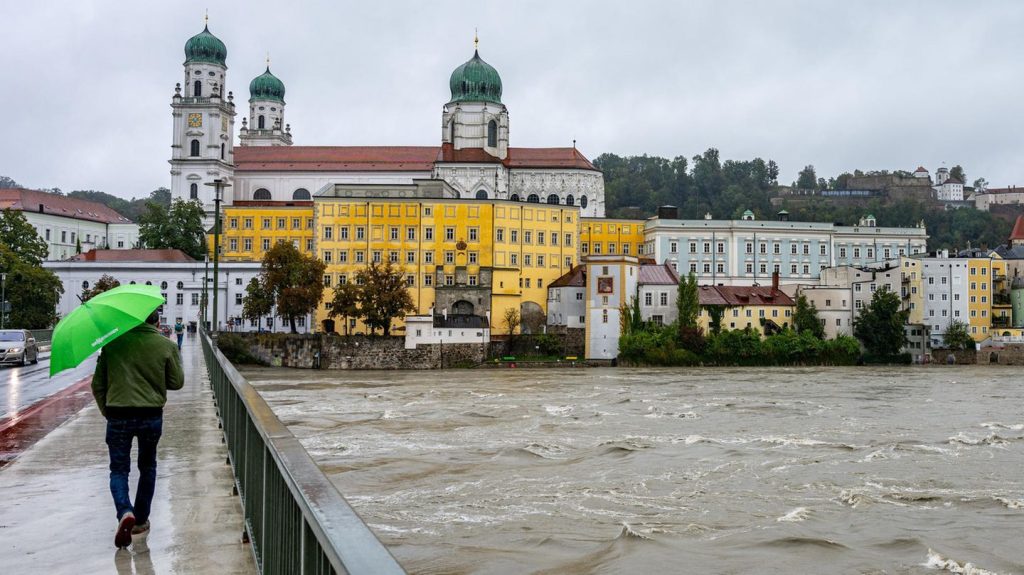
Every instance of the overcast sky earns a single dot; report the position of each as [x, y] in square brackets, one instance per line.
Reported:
[838, 84]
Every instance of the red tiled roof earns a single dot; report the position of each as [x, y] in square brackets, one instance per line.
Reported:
[395, 158]
[656, 274]
[743, 295]
[56, 205]
[920, 169]
[141, 256]
[952, 180]
[1018, 229]
[576, 277]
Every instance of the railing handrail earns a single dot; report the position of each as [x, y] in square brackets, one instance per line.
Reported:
[346, 540]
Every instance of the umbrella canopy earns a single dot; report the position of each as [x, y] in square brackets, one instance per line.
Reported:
[99, 321]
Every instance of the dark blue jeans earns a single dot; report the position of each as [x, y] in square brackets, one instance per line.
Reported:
[120, 433]
[180, 335]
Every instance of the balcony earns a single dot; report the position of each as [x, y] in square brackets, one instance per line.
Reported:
[1001, 299]
[1001, 322]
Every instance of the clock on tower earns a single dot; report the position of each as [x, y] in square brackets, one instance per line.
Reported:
[195, 120]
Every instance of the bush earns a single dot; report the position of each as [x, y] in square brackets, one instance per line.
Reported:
[549, 345]
[236, 349]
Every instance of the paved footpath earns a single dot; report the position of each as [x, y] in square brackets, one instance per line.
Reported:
[57, 516]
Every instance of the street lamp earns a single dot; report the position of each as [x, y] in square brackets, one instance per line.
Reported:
[218, 193]
[3, 300]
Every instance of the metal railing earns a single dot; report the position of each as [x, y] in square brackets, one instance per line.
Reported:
[42, 335]
[296, 520]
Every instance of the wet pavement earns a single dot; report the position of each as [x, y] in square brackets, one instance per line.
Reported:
[57, 516]
[23, 386]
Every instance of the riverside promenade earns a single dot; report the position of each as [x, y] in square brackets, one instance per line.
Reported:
[57, 516]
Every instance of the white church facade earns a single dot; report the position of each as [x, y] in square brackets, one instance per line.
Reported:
[473, 155]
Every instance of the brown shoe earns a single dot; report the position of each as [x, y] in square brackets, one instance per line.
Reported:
[123, 537]
[141, 528]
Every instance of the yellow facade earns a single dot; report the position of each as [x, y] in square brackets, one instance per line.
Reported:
[610, 236]
[742, 317]
[987, 303]
[912, 289]
[525, 247]
[247, 232]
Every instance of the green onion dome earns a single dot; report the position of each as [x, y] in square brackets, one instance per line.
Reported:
[475, 81]
[205, 47]
[266, 86]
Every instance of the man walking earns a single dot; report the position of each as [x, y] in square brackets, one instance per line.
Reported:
[130, 385]
[179, 330]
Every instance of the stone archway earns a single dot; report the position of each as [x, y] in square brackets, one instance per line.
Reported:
[462, 307]
[532, 317]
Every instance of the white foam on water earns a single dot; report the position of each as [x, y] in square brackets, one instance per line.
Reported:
[964, 439]
[1011, 503]
[558, 410]
[798, 514]
[998, 425]
[937, 561]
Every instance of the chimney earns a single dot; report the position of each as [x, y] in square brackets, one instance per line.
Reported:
[668, 213]
[775, 281]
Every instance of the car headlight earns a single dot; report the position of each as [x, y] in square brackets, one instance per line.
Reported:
[14, 350]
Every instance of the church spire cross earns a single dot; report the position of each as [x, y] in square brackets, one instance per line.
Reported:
[206, 17]
[476, 39]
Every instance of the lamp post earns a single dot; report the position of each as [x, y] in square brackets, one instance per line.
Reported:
[218, 192]
[205, 304]
[3, 300]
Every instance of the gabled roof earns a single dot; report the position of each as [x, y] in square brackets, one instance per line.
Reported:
[133, 256]
[952, 180]
[1018, 229]
[658, 274]
[56, 205]
[743, 295]
[1011, 190]
[576, 277]
[395, 158]
[920, 169]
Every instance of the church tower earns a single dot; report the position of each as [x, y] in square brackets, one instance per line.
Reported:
[265, 126]
[475, 118]
[204, 122]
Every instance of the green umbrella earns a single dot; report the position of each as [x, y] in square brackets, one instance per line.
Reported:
[99, 321]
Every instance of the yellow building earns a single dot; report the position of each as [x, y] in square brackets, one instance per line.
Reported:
[611, 236]
[988, 300]
[912, 289]
[249, 229]
[754, 307]
[459, 255]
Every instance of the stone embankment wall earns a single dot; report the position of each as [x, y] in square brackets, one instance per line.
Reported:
[359, 352]
[964, 357]
[1011, 354]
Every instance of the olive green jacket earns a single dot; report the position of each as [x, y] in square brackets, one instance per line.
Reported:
[136, 370]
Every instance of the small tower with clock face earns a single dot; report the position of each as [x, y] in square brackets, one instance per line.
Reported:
[204, 121]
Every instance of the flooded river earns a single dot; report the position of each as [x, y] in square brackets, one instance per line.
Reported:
[841, 470]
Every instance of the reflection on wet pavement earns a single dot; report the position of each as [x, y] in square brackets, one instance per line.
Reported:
[56, 514]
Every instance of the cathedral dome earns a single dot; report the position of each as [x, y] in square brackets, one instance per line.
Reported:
[475, 81]
[205, 47]
[266, 86]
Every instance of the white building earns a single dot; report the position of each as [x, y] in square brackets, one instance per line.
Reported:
[567, 306]
[945, 294]
[1012, 196]
[68, 225]
[180, 279]
[611, 283]
[864, 281]
[833, 303]
[473, 154]
[658, 291]
[947, 188]
[747, 251]
[442, 329]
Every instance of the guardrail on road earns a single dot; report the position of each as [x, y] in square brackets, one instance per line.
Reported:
[42, 335]
[296, 519]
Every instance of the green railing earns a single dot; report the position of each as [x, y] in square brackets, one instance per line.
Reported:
[296, 520]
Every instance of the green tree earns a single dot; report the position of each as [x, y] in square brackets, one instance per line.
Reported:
[957, 336]
[258, 301]
[383, 296]
[715, 315]
[179, 227]
[8, 183]
[345, 303]
[807, 180]
[32, 291]
[805, 318]
[103, 284]
[879, 325]
[688, 300]
[21, 237]
[294, 280]
[958, 173]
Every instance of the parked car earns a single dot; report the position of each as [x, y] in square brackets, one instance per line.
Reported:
[18, 346]
[166, 330]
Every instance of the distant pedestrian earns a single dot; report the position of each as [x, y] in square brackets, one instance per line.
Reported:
[130, 385]
[179, 330]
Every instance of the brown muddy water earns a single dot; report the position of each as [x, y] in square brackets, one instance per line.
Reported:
[803, 470]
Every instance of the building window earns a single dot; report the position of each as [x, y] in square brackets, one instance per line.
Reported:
[261, 122]
[194, 149]
[570, 201]
[492, 134]
[195, 299]
[197, 89]
[193, 192]
[533, 199]
[376, 256]
[301, 194]
[266, 244]
[261, 194]
[553, 199]
[663, 298]
[583, 202]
